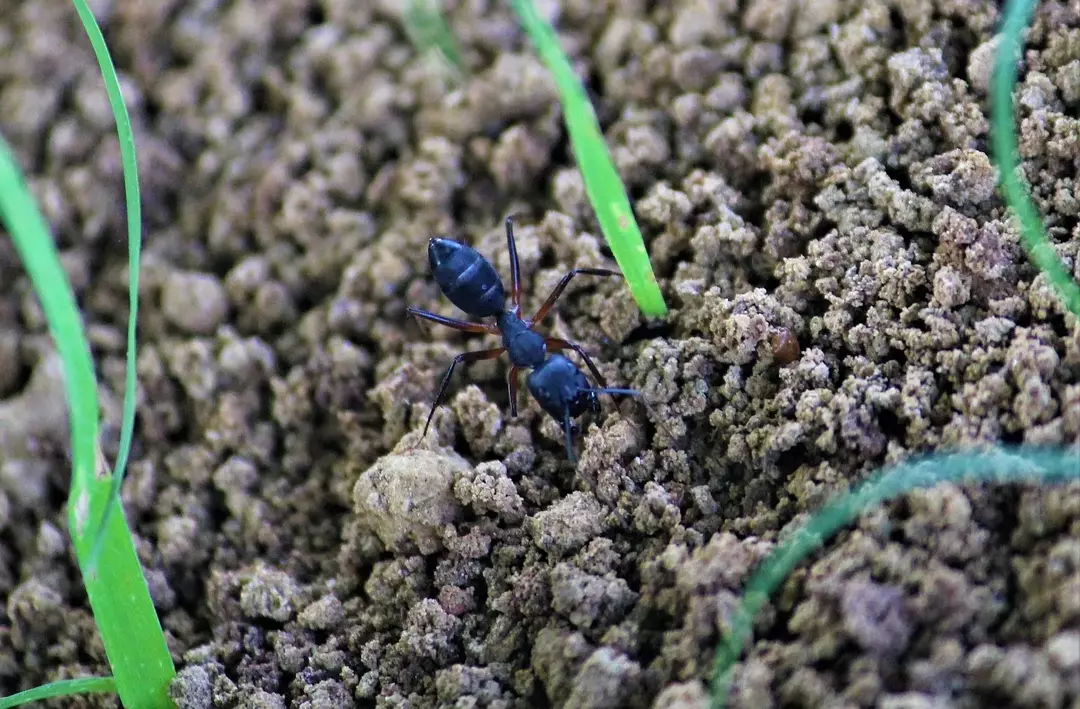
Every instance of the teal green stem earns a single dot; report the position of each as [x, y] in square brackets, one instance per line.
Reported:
[61, 688]
[1006, 465]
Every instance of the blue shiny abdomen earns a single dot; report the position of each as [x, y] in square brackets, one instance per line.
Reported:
[466, 278]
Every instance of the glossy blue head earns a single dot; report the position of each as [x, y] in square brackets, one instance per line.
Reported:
[562, 389]
[563, 392]
[466, 278]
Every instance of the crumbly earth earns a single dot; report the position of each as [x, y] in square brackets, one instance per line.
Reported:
[814, 182]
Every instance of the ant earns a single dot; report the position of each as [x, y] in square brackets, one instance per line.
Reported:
[471, 283]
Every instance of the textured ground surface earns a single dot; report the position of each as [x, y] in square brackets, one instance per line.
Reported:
[813, 181]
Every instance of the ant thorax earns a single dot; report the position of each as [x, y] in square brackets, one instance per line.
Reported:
[524, 345]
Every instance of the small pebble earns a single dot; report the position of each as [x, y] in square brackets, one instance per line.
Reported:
[195, 303]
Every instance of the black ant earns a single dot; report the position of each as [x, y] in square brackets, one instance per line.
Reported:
[471, 283]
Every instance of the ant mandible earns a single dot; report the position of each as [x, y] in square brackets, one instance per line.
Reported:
[471, 283]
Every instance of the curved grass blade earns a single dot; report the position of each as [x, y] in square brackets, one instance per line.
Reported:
[1015, 465]
[119, 598]
[602, 183]
[134, 225]
[61, 688]
[1003, 136]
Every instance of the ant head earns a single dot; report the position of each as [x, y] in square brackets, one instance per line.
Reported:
[584, 400]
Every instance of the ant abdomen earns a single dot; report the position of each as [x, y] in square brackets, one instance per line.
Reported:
[466, 278]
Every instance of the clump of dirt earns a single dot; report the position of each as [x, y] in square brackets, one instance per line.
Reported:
[815, 186]
[406, 500]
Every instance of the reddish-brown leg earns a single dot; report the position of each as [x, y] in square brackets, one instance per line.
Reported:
[463, 357]
[556, 344]
[515, 269]
[550, 302]
[512, 388]
[462, 325]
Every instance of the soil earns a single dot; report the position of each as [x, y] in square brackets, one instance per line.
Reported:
[814, 185]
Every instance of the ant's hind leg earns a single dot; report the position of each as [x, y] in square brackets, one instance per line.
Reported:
[463, 357]
[463, 325]
[557, 344]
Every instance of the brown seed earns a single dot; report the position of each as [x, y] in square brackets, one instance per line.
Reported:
[785, 346]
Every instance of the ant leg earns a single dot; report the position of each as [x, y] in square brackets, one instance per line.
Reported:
[463, 357]
[512, 387]
[515, 269]
[568, 430]
[462, 325]
[546, 307]
[556, 344]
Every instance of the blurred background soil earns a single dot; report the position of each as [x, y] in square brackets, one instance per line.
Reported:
[814, 184]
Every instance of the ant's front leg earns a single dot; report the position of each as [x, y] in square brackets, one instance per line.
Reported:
[550, 302]
[568, 431]
[557, 344]
[512, 388]
[515, 268]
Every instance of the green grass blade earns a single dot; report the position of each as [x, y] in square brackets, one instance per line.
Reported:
[1005, 465]
[119, 598]
[602, 183]
[134, 227]
[429, 32]
[1003, 135]
[62, 688]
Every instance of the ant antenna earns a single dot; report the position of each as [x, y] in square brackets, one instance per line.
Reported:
[609, 390]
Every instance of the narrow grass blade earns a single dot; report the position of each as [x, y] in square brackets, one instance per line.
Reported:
[1005, 465]
[62, 688]
[134, 226]
[119, 598]
[1003, 136]
[602, 183]
[430, 34]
